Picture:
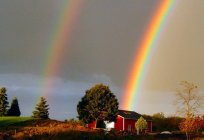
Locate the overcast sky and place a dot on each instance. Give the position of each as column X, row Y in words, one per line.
column 101, row 49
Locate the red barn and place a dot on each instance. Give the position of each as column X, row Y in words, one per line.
column 125, row 121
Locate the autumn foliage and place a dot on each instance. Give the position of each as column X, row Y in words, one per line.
column 192, row 124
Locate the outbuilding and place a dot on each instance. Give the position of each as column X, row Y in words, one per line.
column 125, row 121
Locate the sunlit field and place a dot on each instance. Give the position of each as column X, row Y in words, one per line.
column 14, row 121
column 27, row 128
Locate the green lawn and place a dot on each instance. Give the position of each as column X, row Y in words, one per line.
column 14, row 121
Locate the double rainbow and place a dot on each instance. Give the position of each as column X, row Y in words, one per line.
column 144, row 52
column 61, row 35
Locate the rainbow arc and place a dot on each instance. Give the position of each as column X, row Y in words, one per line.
column 58, row 44
column 144, row 52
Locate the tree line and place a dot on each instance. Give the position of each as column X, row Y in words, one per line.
column 40, row 111
column 98, row 103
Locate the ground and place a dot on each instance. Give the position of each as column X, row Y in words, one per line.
column 29, row 128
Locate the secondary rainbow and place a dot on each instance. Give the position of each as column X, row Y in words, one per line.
column 58, row 42
column 144, row 52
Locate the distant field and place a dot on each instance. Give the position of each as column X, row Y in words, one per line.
column 14, row 121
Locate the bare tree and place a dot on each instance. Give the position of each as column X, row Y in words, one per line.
column 188, row 101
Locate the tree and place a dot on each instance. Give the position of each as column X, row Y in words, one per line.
column 41, row 109
column 190, row 125
column 159, row 120
column 189, row 102
column 159, row 115
column 162, row 123
column 3, row 102
column 14, row 109
column 141, row 124
column 98, row 103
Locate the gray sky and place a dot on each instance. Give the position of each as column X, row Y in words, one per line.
column 101, row 48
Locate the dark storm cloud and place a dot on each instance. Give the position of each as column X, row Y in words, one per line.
column 105, row 39
column 102, row 42
column 26, row 29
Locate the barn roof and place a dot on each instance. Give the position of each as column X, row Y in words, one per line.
column 131, row 115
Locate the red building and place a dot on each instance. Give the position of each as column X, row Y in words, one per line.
column 125, row 121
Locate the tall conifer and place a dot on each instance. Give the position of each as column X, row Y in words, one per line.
column 14, row 109
column 41, row 109
column 3, row 102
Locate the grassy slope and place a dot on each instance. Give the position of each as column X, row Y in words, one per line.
column 14, row 121
column 27, row 127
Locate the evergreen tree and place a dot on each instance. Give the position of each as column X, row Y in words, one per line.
column 98, row 104
column 41, row 109
column 3, row 102
column 14, row 109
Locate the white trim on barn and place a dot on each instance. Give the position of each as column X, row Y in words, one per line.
column 123, row 122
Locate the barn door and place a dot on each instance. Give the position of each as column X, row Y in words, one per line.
column 129, row 127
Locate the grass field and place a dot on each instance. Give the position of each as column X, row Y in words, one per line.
column 14, row 121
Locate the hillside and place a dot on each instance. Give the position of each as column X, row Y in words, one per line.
column 27, row 127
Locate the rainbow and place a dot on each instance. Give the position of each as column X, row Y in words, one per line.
column 58, row 43
column 144, row 52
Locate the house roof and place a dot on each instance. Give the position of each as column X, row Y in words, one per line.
column 132, row 115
